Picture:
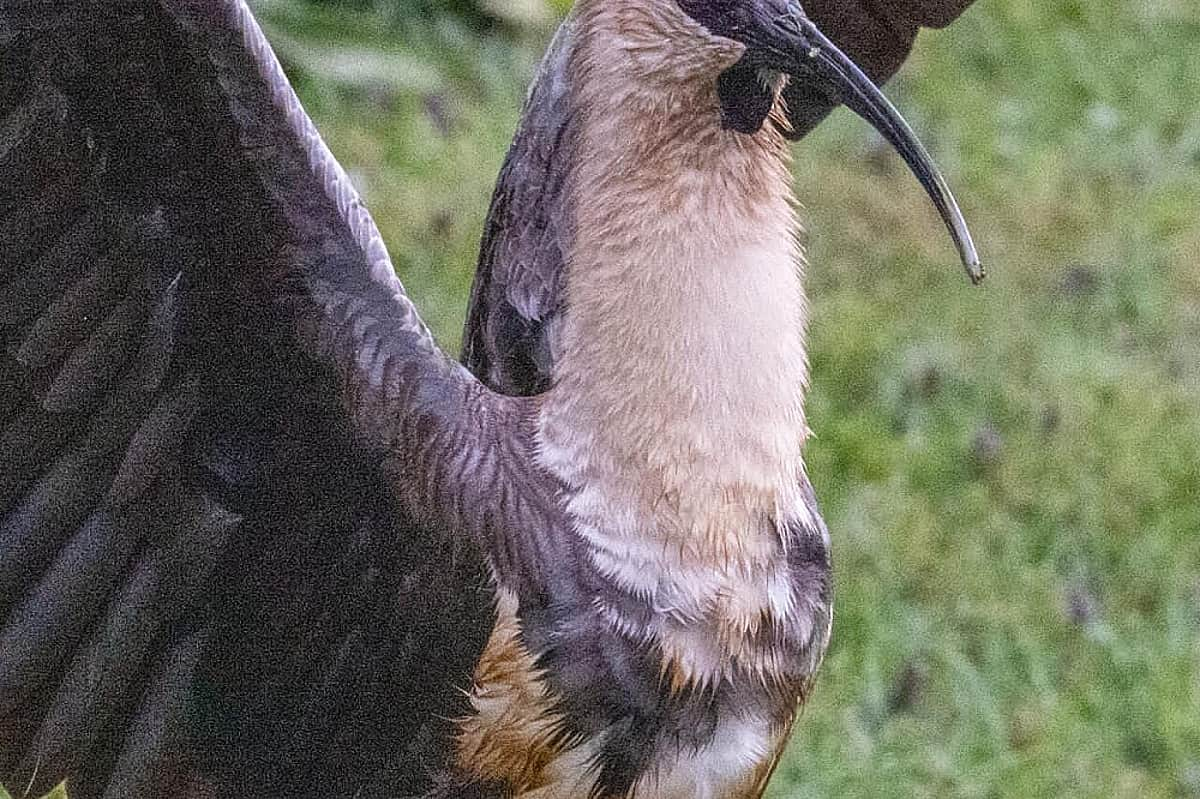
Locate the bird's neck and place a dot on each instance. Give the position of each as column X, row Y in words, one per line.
column 676, row 410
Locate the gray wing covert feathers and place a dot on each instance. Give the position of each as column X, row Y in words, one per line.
column 229, row 561
column 518, row 290
column 517, row 297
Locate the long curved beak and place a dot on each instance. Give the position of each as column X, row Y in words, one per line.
column 796, row 47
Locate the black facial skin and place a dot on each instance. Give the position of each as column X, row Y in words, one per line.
column 779, row 37
column 745, row 102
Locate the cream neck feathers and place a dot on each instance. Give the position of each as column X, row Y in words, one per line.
column 676, row 412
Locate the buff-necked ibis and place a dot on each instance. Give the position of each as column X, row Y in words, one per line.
column 259, row 536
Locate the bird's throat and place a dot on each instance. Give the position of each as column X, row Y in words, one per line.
column 677, row 399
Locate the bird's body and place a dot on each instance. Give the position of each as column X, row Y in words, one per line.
column 675, row 423
column 680, row 438
column 240, row 481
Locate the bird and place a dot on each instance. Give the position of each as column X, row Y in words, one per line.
column 260, row 535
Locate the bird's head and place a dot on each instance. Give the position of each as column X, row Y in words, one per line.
column 750, row 48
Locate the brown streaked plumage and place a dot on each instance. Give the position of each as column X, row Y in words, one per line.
column 259, row 536
column 514, row 735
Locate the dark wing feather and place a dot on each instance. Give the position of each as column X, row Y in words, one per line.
column 517, row 298
column 877, row 34
column 229, row 561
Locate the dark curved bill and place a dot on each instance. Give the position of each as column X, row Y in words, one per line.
column 806, row 54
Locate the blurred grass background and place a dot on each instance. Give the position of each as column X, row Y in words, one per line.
column 1012, row 473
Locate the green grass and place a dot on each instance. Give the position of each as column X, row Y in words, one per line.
column 1011, row 473
column 59, row 792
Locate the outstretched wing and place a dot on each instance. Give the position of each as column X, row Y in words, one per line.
column 517, row 298
column 228, row 447
column 877, row 34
